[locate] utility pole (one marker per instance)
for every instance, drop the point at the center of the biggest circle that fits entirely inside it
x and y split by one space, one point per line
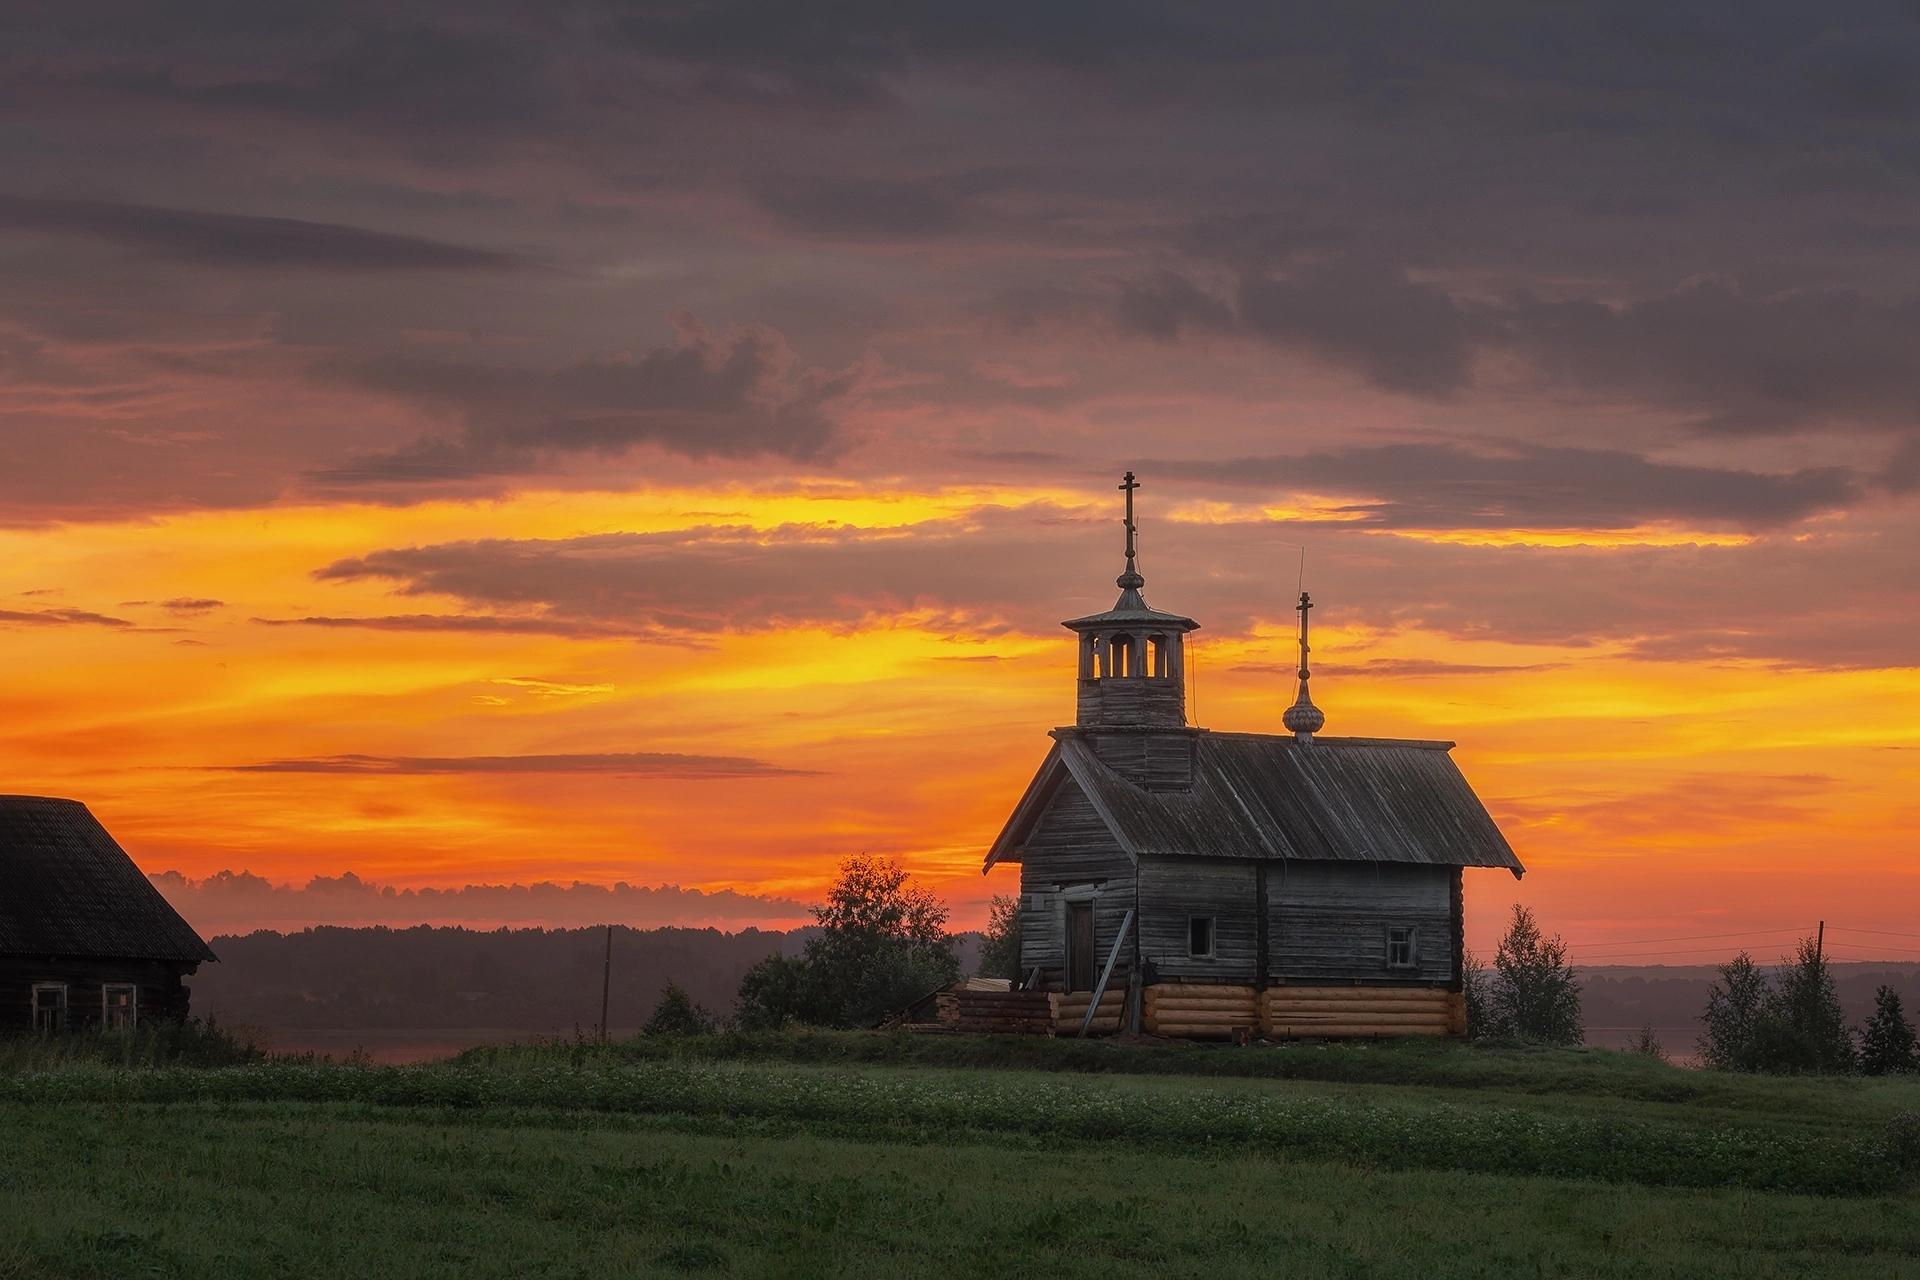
1820 943
606 984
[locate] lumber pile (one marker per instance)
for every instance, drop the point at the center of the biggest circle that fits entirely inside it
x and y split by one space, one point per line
1357 1012
1005 1013
1069 1009
1198 1011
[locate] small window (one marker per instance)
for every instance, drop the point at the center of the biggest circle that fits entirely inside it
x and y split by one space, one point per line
1200 937
1121 660
1400 947
119 1006
1158 665
49 1006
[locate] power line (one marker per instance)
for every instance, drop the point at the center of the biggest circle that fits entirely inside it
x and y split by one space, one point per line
1898 952
1629 955
1891 933
1693 937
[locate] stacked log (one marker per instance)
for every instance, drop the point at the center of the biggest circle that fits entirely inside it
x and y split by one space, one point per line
1198 1011
1361 1012
1069 1009
1004 1013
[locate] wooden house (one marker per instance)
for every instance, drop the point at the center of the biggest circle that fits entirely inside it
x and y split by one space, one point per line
1186 882
85 938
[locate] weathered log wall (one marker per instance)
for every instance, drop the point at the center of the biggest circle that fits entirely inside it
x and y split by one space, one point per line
1329 920
1071 851
1070 1009
1300 1012
1172 892
162 994
1202 1011
1217 1010
996 1012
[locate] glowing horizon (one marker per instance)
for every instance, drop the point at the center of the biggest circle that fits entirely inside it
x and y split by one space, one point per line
210 736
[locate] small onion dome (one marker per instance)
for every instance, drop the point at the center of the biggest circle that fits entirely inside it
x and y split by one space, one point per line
1303 716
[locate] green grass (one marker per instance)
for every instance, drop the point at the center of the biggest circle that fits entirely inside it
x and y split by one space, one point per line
723 1156
1516 1072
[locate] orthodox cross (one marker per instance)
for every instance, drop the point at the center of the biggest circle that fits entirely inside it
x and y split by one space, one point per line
1306 603
1127 486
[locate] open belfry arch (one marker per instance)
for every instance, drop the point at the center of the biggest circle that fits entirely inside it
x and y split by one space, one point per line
1184 882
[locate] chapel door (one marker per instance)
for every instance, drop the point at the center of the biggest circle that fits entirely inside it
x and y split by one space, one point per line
1079 946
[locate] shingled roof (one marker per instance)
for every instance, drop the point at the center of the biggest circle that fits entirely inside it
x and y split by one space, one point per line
1266 796
67 889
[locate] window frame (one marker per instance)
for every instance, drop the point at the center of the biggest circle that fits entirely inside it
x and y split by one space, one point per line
1412 943
60 1010
107 990
1213 937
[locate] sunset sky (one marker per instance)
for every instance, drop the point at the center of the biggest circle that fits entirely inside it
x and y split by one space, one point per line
472 444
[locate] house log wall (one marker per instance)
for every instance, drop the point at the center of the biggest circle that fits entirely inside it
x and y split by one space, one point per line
1200 1011
1302 1012
1216 1011
1071 848
162 994
1172 891
1132 700
1329 920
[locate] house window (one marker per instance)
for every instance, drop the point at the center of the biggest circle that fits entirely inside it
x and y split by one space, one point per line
1400 947
119 1006
1200 937
49 1006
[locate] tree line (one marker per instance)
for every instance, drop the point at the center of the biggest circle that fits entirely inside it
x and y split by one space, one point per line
1789 1021
879 943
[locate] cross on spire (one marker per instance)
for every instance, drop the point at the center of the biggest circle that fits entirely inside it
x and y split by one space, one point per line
1303 717
1131 579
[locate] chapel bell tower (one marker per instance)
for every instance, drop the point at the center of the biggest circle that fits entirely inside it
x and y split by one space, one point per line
1133 660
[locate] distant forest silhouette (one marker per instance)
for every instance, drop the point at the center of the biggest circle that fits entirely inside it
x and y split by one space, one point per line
240 901
548 980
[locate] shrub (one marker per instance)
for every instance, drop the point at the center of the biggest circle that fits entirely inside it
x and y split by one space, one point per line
1000 953
1732 1016
1474 984
1802 1027
1791 1024
771 994
1887 1039
882 943
1533 994
1900 1142
678 1015
1648 1045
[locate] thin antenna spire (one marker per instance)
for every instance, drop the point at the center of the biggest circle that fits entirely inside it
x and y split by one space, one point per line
1303 718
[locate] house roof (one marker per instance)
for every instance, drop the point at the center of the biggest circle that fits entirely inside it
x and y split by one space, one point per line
1266 796
67 889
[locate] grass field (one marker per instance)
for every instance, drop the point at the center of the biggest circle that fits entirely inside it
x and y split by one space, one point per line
884 1155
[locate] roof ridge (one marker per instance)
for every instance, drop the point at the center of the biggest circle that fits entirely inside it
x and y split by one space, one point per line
1335 740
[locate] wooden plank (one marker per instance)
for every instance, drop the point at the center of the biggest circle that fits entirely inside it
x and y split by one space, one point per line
1106 974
